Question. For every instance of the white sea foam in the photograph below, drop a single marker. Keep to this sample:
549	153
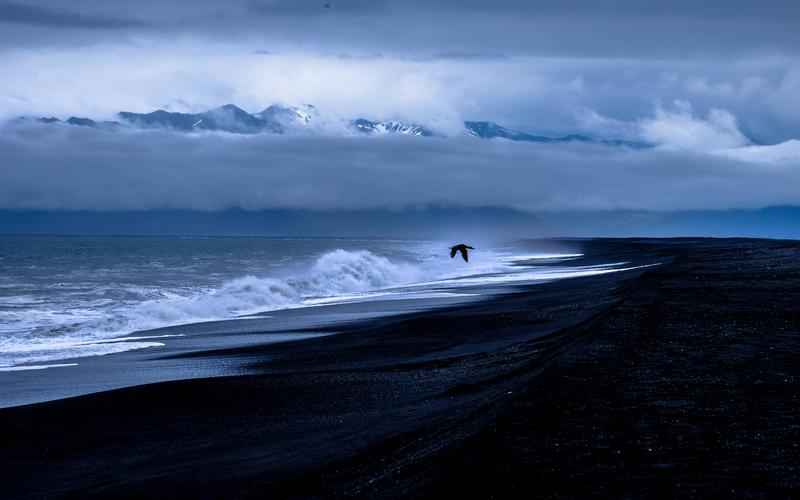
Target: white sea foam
41	352
129	338
535	274
34	367
541	256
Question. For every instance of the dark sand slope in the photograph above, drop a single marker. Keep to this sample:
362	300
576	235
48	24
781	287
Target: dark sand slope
680	380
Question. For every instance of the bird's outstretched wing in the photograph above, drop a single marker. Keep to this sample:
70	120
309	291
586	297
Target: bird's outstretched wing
464	254
453	251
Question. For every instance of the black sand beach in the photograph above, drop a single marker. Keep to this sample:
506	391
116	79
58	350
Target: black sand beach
680	380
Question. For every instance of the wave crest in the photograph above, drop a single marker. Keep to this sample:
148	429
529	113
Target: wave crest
333	273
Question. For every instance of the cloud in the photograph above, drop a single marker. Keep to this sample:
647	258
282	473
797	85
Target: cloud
589	119
468	56
575	28
57	17
779	155
539	95
305	8
679	128
61	167
728	71
98	82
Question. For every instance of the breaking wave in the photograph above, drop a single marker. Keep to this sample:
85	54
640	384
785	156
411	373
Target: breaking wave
333	273
43	335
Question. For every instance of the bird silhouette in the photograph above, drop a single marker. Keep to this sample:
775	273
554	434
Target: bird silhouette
464	249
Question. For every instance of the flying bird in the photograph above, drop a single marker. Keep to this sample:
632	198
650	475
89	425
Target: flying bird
464	249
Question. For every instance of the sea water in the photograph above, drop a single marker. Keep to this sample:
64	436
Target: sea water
64	297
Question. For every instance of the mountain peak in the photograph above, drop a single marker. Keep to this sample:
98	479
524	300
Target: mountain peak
365	126
281	118
80	121
231	108
290	115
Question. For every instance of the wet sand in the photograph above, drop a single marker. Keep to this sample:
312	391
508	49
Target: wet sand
681	380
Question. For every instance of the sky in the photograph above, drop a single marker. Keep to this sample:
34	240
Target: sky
712	85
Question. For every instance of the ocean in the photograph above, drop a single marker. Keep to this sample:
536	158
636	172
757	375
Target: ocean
64	297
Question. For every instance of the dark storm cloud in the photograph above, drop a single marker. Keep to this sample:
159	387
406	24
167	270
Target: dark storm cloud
316	7
621	28
75	168
56	17
468	56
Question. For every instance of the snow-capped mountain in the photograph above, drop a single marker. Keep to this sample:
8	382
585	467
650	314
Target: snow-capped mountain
389	127
306	119
290	116
227	118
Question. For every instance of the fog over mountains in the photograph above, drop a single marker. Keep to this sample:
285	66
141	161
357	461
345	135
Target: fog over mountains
305	119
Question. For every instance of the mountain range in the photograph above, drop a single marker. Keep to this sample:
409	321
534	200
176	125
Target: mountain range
280	119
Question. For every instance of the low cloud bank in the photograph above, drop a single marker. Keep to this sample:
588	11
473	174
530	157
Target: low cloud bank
74	168
679	128
607	97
